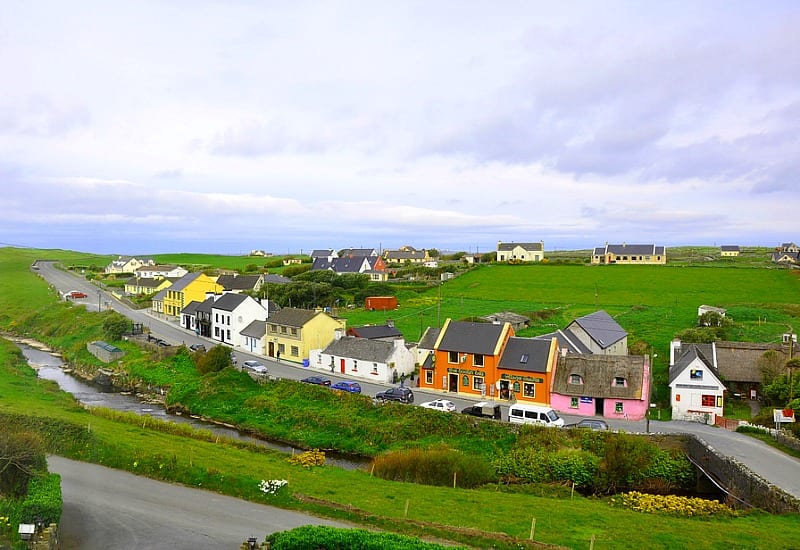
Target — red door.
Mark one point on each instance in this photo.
(341, 365)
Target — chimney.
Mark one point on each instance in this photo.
(338, 333)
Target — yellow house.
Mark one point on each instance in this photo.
(729, 250)
(139, 285)
(192, 287)
(292, 333)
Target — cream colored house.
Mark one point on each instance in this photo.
(520, 252)
(293, 333)
(127, 264)
(729, 251)
(640, 254)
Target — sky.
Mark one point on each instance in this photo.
(228, 126)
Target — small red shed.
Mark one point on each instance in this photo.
(380, 303)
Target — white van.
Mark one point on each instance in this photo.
(534, 414)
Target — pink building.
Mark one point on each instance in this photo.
(611, 386)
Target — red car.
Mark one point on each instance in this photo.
(76, 294)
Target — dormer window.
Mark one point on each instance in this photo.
(576, 379)
(524, 358)
(619, 382)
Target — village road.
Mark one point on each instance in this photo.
(111, 509)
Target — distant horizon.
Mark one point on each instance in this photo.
(307, 251)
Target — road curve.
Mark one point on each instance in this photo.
(112, 509)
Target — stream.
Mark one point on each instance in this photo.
(50, 366)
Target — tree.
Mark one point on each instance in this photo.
(214, 360)
(22, 457)
(115, 325)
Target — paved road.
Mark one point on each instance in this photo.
(111, 509)
(780, 469)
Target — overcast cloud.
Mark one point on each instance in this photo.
(205, 126)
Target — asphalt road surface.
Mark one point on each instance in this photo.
(111, 509)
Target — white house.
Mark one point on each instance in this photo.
(127, 264)
(254, 336)
(600, 333)
(231, 313)
(365, 359)
(520, 252)
(695, 387)
(160, 272)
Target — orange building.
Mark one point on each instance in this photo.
(487, 360)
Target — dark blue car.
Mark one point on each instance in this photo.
(348, 386)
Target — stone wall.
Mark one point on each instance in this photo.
(740, 481)
(46, 540)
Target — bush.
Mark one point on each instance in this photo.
(214, 360)
(332, 538)
(21, 458)
(43, 500)
(440, 467)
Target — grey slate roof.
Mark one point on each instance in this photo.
(404, 255)
(361, 349)
(526, 354)
(206, 306)
(145, 282)
(256, 329)
(429, 337)
(238, 282)
(632, 249)
(348, 264)
(729, 248)
(276, 279)
(566, 339)
(184, 281)
(322, 253)
(191, 308)
(703, 352)
(598, 373)
(468, 337)
(507, 317)
(229, 301)
(375, 332)
(292, 317)
(159, 297)
(358, 252)
(602, 328)
(533, 247)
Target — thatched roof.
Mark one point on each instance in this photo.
(739, 361)
(598, 373)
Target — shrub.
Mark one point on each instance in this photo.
(309, 459)
(332, 538)
(672, 505)
(43, 500)
(21, 458)
(441, 467)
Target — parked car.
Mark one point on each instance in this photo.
(483, 409)
(254, 366)
(197, 347)
(439, 405)
(591, 424)
(348, 386)
(76, 294)
(401, 394)
(318, 380)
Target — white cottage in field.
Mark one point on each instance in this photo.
(231, 313)
(697, 393)
(364, 359)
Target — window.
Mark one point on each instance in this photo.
(477, 360)
(283, 330)
(465, 381)
(228, 334)
(294, 331)
(618, 407)
(524, 358)
(374, 368)
(529, 390)
(477, 382)
(575, 379)
(295, 351)
(281, 349)
(429, 377)
(708, 400)
(696, 374)
(216, 317)
(273, 328)
(452, 357)
(355, 365)
(216, 332)
(619, 382)
(573, 403)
